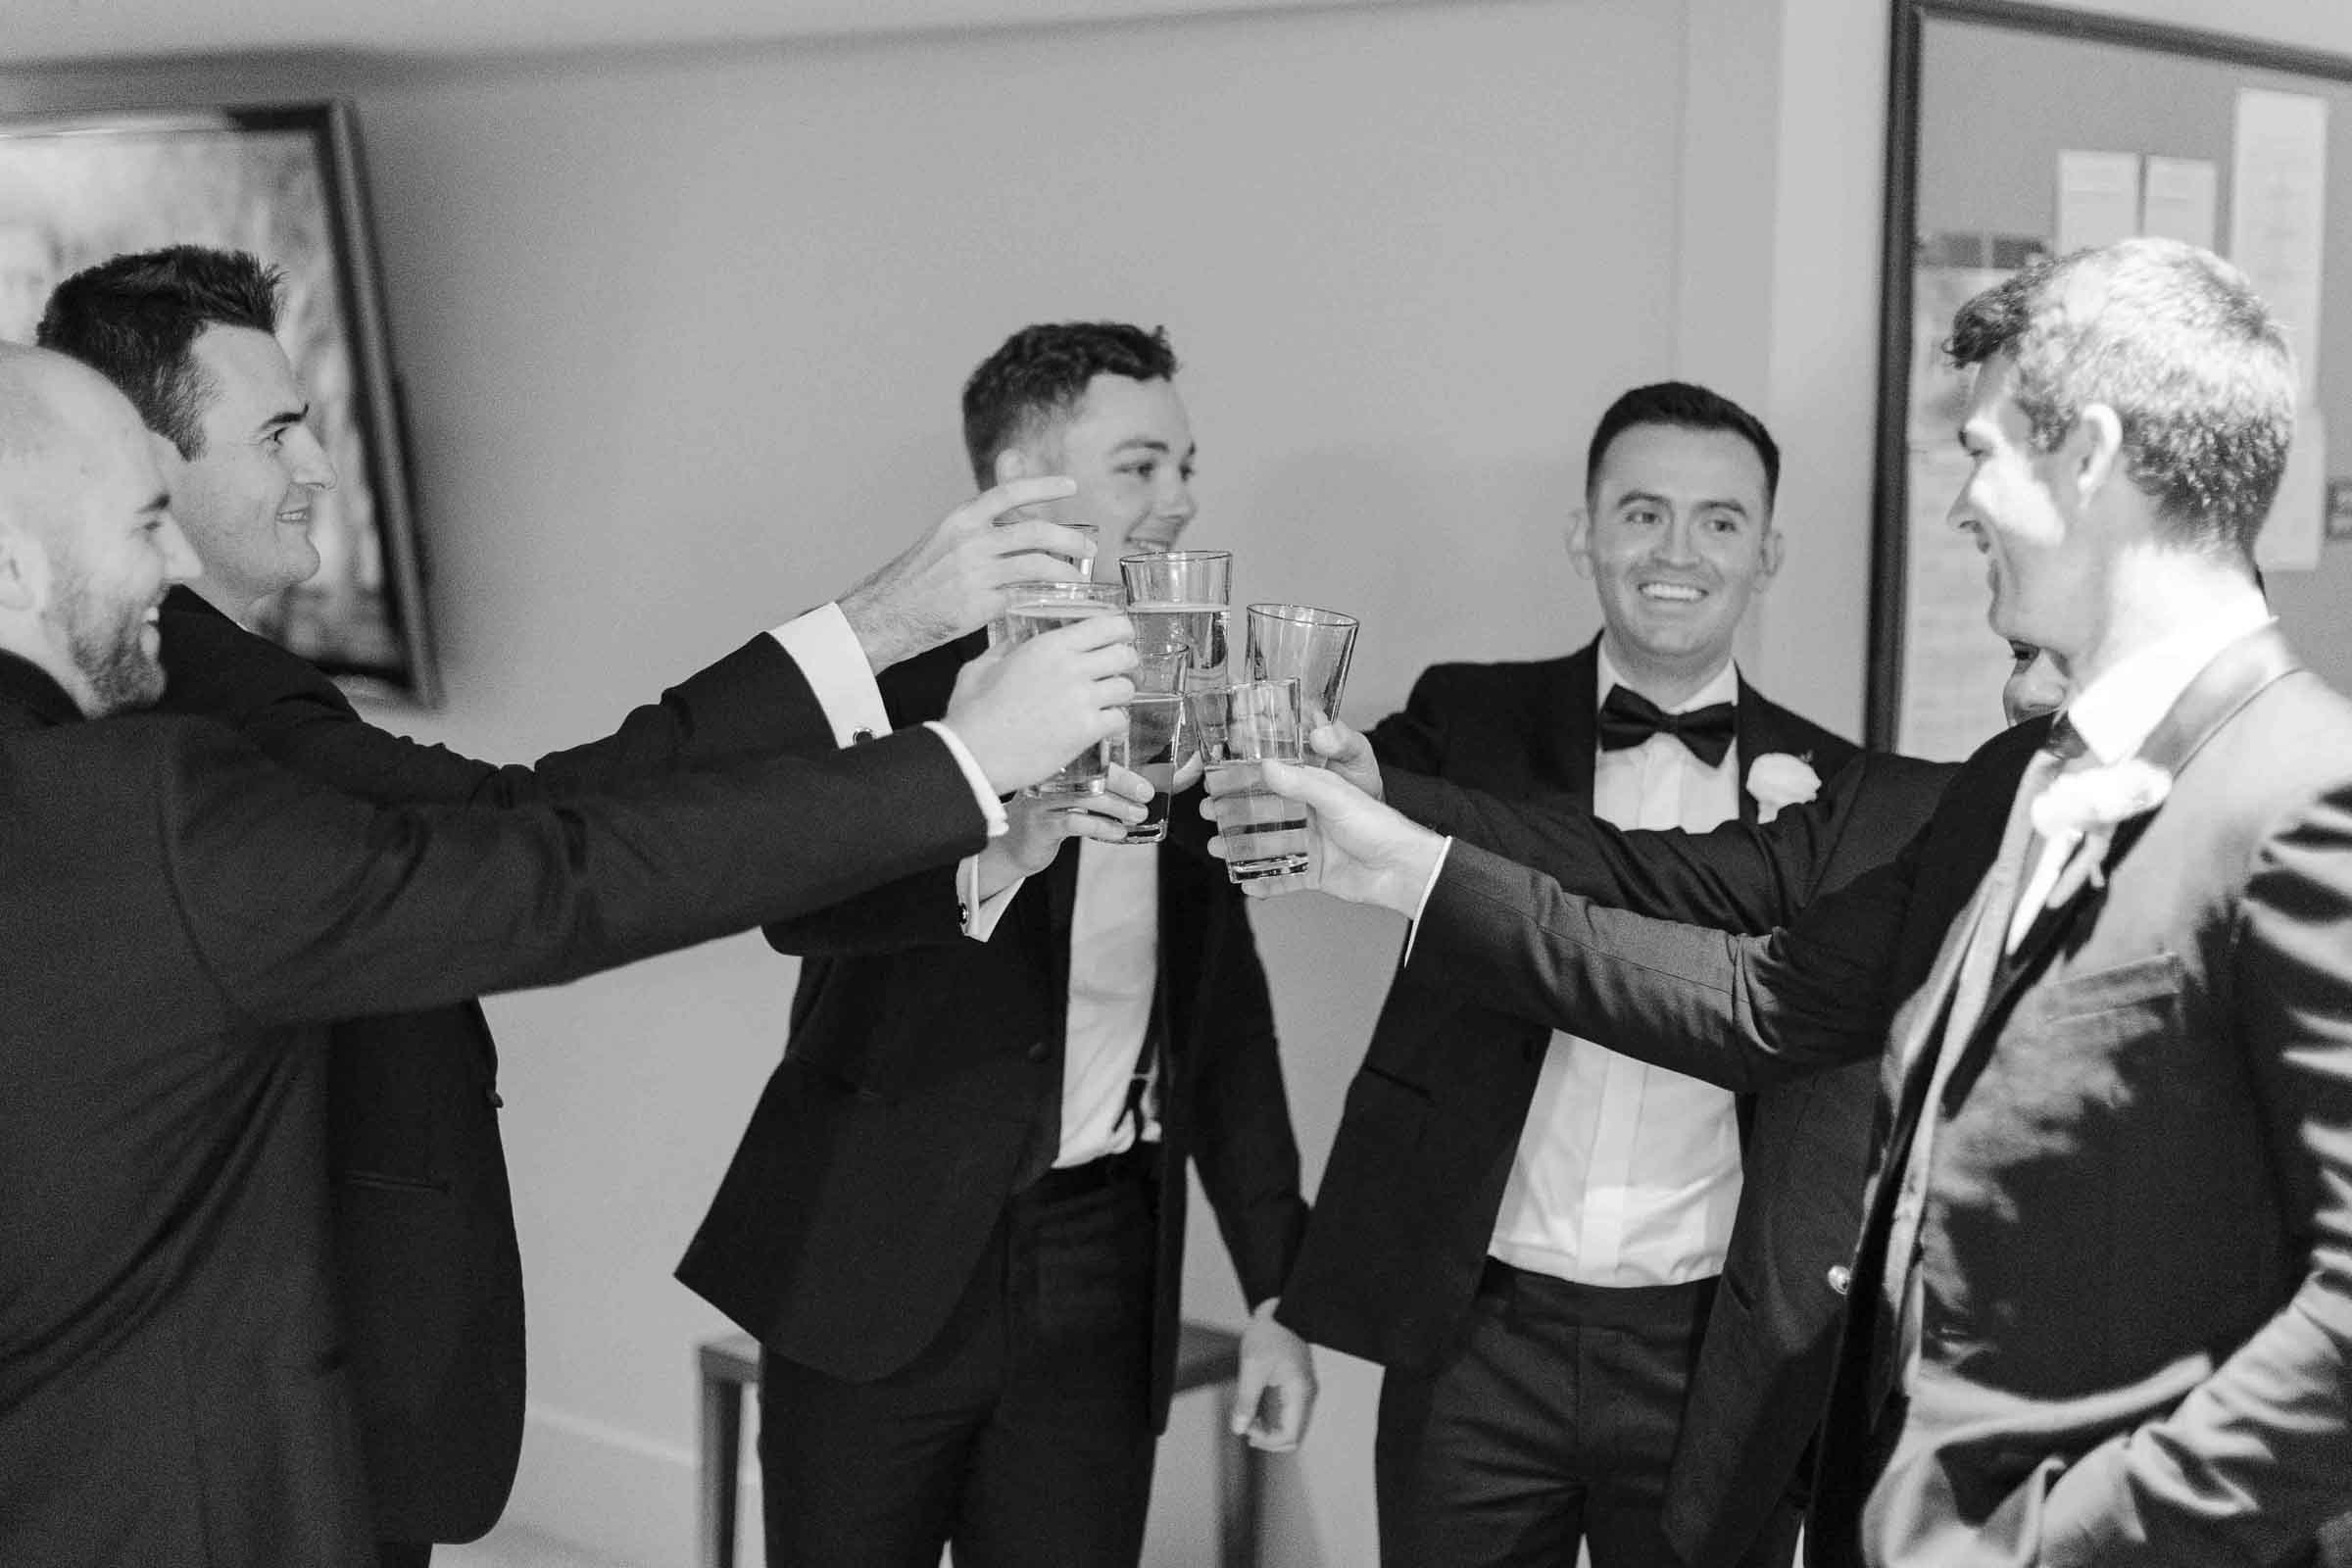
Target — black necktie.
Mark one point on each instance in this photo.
(1628, 719)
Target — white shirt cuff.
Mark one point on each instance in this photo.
(990, 807)
(980, 915)
(833, 664)
(1427, 888)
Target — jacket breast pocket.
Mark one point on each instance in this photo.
(2099, 1042)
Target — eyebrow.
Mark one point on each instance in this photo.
(284, 418)
(1724, 503)
(160, 502)
(1150, 443)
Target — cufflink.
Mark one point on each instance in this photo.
(860, 735)
(963, 912)
(1840, 1277)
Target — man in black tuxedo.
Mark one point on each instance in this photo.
(956, 1221)
(2098, 1310)
(1529, 1237)
(428, 1275)
(181, 919)
(1765, 1362)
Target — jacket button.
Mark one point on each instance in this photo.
(1839, 1278)
(1040, 1051)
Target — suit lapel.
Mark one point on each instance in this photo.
(1572, 732)
(2224, 685)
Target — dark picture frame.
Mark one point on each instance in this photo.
(286, 183)
(1908, 255)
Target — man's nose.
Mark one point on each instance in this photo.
(180, 557)
(310, 465)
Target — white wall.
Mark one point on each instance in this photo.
(683, 335)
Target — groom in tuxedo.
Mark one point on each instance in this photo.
(2101, 1307)
(1532, 1237)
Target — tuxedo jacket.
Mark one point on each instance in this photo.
(180, 922)
(1408, 1204)
(428, 1279)
(921, 1083)
(2136, 1286)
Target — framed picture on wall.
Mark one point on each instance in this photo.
(284, 183)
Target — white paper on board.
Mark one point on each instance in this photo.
(2278, 212)
(2098, 198)
(2290, 539)
(1953, 665)
(2179, 199)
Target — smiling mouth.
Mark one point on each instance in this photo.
(300, 519)
(1670, 593)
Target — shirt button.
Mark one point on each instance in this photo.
(1840, 1277)
(1040, 1051)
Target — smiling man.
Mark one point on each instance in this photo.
(1540, 1308)
(956, 1221)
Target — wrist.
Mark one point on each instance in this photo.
(1404, 886)
(877, 631)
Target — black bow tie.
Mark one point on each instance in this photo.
(1628, 719)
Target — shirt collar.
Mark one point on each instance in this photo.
(1723, 687)
(2119, 711)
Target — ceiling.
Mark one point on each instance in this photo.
(51, 30)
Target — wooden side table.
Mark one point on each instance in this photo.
(1206, 1359)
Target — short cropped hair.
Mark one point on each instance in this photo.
(136, 319)
(1041, 375)
(2175, 341)
(1687, 406)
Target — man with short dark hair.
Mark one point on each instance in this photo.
(2102, 1308)
(956, 1223)
(428, 1269)
(1531, 1245)
(182, 918)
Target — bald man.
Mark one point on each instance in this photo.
(179, 920)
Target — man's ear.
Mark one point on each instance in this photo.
(23, 572)
(1770, 556)
(1580, 541)
(2093, 449)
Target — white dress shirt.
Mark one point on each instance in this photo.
(1114, 921)
(2116, 714)
(1629, 1174)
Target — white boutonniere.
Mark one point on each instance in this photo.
(2079, 812)
(1777, 779)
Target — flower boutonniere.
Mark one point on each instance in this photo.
(2082, 810)
(1777, 779)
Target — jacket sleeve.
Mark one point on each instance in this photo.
(752, 703)
(2253, 1461)
(1741, 1012)
(1736, 878)
(307, 905)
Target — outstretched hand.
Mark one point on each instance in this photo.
(1357, 848)
(953, 579)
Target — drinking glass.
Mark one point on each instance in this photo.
(1299, 642)
(1241, 726)
(1031, 609)
(1153, 744)
(1186, 591)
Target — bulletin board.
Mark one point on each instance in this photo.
(2016, 130)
